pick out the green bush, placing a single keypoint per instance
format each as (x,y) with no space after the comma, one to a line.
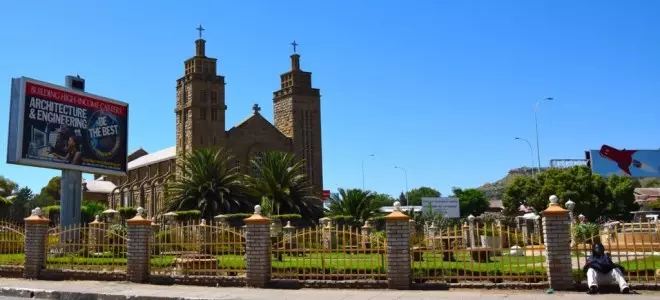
(188,215)
(90,209)
(52,211)
(127,212)
(654,204)
(586,233)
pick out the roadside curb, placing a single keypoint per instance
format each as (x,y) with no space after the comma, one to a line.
(48,294)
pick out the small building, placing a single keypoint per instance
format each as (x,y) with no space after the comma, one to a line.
(97,190)
(495,206)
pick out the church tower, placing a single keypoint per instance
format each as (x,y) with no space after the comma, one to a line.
(200,103)
(297,110)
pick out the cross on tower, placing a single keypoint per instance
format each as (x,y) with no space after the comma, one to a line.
(294,44)
(256,108)
(200,29)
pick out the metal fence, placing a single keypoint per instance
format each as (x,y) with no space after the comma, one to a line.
(634,246)
(12,244)
(198,249)
(478,253)
(328,253)
(93,247)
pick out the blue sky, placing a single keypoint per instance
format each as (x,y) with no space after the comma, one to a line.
(440,88)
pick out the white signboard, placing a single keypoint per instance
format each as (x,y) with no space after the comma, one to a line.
(448,206)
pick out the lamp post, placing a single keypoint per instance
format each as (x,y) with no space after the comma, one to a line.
(570,205)
(406,174)
(370,155)
(536,123)
(531,152)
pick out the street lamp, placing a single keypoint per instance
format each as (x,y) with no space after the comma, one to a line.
(406,174)
(531,151)
(536,123)
(370,155)
(570,205)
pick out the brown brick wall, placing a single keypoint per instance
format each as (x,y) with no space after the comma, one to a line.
(399,274)
(557,238)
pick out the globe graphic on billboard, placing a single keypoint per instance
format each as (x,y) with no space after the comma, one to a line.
(104,137)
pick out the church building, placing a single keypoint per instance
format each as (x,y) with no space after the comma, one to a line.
(200,122)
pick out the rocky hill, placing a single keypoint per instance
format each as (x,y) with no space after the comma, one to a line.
(495,190)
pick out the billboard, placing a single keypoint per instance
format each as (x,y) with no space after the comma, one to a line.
(634,163)
(448,206)
(55,127)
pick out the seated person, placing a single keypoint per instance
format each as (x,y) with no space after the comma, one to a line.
(600,269)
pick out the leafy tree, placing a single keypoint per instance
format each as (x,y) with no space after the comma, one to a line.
(594,196)
(402,199)
(282,185)
(471,201)
(7,187)
(383,199)
(207,183)
(52,189)
(21,204)
(357,203)
(415,195)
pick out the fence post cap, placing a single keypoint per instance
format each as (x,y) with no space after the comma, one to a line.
(97,220)
(139,219)
(257,218)
(397,214)
(36,218)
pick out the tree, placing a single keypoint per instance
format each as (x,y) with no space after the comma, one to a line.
(357,203)
(7,187)
(594,196)
(207,183)
(383,199)
(52,189)
(21,204)
(471,201)
(415,195)
(282,185)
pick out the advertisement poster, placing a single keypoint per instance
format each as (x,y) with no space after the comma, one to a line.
(62,128)
(624,162)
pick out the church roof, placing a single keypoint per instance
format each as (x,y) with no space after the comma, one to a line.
(99,186)
(152,158)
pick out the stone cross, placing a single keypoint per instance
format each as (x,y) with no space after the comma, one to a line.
(200,29)
(256,108)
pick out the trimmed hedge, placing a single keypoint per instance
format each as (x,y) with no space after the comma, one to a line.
(188,215)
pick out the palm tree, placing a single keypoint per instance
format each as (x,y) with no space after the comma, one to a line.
(359,204)
(206,182)
(279,180)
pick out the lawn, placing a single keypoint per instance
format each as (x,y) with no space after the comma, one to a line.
(318,263)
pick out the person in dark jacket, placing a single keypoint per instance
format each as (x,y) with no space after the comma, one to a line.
(600,269)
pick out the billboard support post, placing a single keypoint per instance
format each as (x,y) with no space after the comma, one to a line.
(71,180)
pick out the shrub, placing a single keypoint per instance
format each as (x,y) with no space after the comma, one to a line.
(586,233)
(127,212)
(188,215)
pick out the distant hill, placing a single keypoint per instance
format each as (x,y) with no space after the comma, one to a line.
(495,190)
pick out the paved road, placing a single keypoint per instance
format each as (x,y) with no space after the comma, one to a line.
(14,298)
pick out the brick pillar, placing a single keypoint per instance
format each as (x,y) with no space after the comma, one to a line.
(399,273)
(36,236)
(257,245)
(138,257)
(96,235)
(557,236)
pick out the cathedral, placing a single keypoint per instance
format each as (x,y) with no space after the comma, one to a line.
(200,122)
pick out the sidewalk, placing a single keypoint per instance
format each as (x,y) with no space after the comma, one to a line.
(90,290)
